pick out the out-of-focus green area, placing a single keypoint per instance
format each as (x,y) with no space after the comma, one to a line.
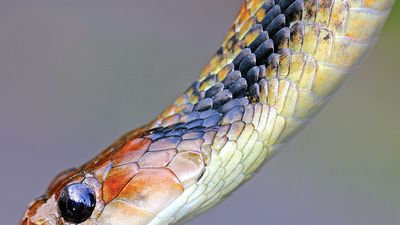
(394,19)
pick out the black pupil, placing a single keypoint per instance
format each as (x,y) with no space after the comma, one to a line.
(76,203)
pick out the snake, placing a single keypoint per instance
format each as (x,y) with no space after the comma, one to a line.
(280,62)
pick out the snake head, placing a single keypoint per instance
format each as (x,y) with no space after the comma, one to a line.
(126,184)
(73,197)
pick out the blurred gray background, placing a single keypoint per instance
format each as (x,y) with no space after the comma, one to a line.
(74,75)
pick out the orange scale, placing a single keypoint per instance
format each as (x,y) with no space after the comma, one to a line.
(191,145)
(117,179)
(131,151)
(188,167)
(157,158)
(120,212)
(101,160)
(152,189)
(244,14)
(100,171)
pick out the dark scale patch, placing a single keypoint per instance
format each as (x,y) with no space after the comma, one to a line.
(216,103)
(252,75)
(279,25)
(264,50)
(174,126)
(232,78)
(197,123)
(276,25)
(239,88)
(194,123)
(203,105)
(259,40)
(208,113)
(175,132)
(222,98)
(295,11)
(281,39)
(248,62)
(212,120)
(284,4)
(218,87)
(240,57)
(225,108)
(190,116)
(172,130)
(154,134)
(268,5)
(255,28)
(271,15)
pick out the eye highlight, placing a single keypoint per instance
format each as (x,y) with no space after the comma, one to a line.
(76,202)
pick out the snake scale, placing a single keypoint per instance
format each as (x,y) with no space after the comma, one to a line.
(279,63)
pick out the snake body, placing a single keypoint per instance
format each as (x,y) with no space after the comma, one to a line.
(279,63)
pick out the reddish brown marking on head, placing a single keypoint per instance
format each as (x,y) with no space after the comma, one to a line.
(116,180)
(153,189)
(131,151)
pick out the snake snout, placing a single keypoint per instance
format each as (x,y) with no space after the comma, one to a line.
(32,211)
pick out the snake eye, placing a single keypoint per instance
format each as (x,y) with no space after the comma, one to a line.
(76,203)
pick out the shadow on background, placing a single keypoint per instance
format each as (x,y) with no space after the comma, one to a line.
(76,74)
